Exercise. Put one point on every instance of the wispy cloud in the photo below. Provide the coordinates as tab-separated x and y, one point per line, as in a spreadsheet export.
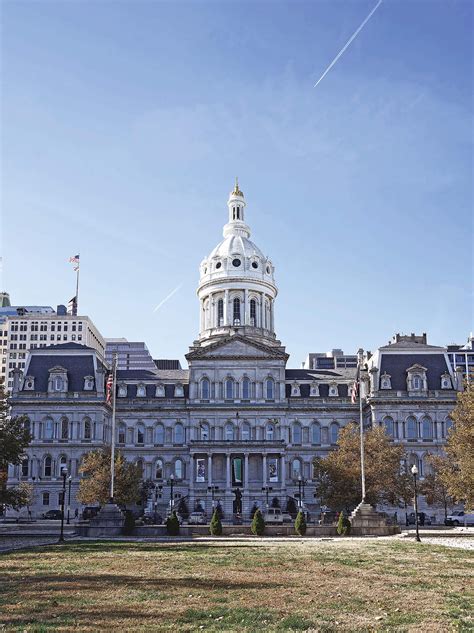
163	301
349	42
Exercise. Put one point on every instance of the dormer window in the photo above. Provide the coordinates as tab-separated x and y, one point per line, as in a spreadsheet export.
314	389
333	390
88	383
122	391
416	378
58	382
446	381
179	390
295	389
160	391
29	383
141	391
385	381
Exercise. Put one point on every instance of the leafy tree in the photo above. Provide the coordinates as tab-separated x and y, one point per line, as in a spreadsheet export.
219	510
343	525
183	508
275	502
338	475
14	438
129	524
172	524
95	486
215	527
457	472
405	492
253	510
291	507
433	487
300	524
258	524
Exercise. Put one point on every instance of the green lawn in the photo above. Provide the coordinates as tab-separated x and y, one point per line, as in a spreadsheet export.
349	585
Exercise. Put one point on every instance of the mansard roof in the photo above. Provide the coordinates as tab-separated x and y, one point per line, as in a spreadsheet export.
327	375
397	365
77	368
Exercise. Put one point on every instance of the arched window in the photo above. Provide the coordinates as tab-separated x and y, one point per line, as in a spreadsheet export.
417	382
159	469
245	432
389	426
270	389
121	433
48	433
253	312
159	434
204	431
270	432
410	428
47	466
220	312
64	429
315	434
448	423
334	432
58	383
178	469
140	434
427	428
296	469
205	388
87	429
229	431
229	389
178	433
62	464
245	389
236	305
296	433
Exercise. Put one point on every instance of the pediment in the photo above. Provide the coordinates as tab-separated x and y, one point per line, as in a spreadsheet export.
58	369
416	367
233	347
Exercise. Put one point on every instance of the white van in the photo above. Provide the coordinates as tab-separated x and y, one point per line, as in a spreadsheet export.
273	515
460	518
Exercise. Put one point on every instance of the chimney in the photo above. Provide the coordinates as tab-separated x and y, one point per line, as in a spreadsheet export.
459	379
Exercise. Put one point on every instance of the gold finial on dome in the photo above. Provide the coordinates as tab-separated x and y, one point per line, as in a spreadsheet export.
236	191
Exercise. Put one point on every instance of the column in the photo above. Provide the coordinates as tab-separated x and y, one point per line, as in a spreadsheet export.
226	307
246	315
262	309
212	316
228	477
246	471
209	469
283	471
264	479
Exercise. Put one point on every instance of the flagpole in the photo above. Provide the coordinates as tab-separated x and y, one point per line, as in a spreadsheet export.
361	424
112	443
77	284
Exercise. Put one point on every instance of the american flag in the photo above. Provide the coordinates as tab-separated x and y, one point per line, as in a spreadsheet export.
110	387
75	261
355	389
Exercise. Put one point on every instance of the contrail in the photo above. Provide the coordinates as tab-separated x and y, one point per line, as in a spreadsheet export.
352	38
167	297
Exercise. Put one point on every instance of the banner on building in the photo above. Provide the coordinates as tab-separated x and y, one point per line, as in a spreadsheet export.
200	470
237	471
272	469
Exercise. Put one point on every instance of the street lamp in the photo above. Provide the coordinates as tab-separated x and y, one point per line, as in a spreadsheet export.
69	498
63	496
213	489
301	485
171	484
414	472
267	489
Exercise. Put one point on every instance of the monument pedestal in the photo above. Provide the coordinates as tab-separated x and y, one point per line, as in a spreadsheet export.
365	521
108	522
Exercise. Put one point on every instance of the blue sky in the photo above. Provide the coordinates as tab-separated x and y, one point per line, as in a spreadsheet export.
125	123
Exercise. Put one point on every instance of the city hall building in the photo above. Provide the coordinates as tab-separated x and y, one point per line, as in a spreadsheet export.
238	417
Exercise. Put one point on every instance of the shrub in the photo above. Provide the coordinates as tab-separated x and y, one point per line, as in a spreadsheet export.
300	524
258	524
215	527
172	524
183	508
253	510
129	524
275	502
291	507
343	525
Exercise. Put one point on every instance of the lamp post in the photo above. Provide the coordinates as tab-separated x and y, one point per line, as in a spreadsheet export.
69	498
213	489
171	484
414	472
267	490
301	485
64	475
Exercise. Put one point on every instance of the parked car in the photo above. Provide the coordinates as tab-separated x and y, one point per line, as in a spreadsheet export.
197	518
423	519
273	515
151	518
460	518
52	514
89	512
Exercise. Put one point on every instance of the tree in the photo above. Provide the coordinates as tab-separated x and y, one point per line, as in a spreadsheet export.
215	527
14	438
258	524
253	509
405	492
291	507
457	473
300	524
275	502
183	508
95	486
343	525
172	524
338	475
433	487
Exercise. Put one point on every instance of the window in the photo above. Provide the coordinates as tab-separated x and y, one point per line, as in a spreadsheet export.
334	432
236	262
204	431
141	391
45	497
121	434
25	467
48	430
64	429
417	382
447	426
178	433
245	434
178	469
229	432
47	466
427	428
270	432
159	469
296	434
245	389
140	435
410	429
159	434
62	464
296	468
253	312
87	429
236	305
229	389
270	389
389	425
58	383
220	312
205	389
315	434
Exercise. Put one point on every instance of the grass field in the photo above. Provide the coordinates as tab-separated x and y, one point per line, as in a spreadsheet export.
350	585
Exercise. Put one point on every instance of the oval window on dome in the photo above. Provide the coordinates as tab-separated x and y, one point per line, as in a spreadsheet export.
236	262
218	265
254	265
268	270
